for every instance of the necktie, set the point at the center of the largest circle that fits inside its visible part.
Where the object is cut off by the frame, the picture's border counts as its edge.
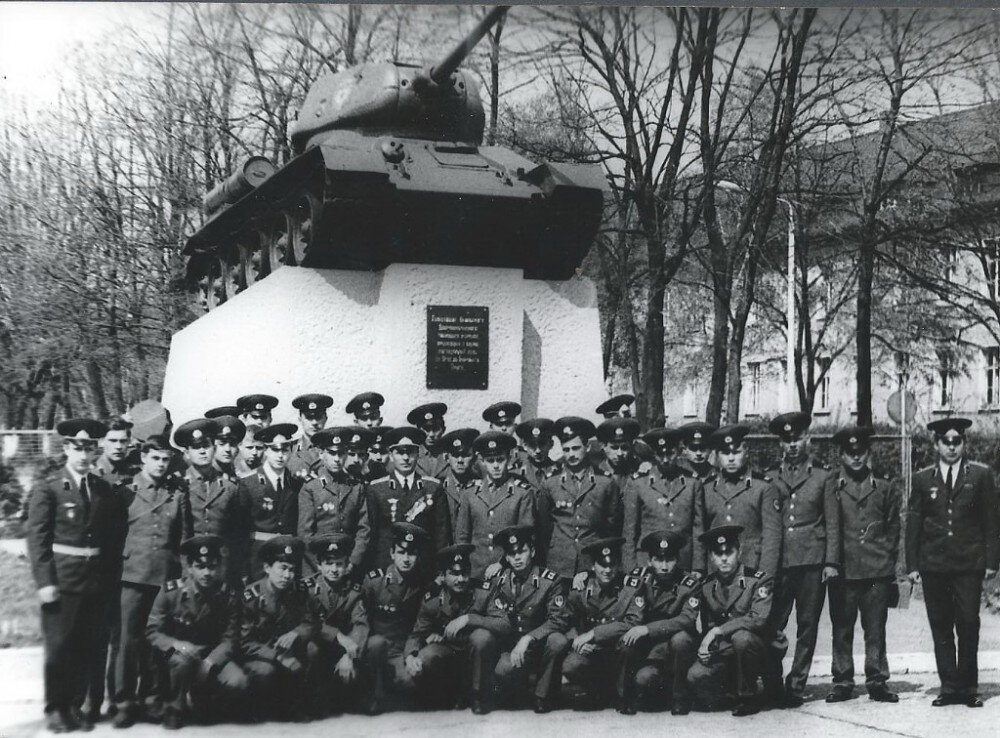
(949, 480)
(84, 492)
(278, 485)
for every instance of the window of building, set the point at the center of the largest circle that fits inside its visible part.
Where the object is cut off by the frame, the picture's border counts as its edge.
(950, 262)
(823, 388)
(991, 251)
(992, 356)
(943, 381)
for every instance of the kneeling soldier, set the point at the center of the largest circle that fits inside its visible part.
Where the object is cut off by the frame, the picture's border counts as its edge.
(441, 647)
(277, 626)
(735, 604)
(392, 598)
(663, 648)
(606, 606)
(341, 619)
(195, 624)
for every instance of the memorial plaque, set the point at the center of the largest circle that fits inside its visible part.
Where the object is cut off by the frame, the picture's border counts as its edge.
(458, 347)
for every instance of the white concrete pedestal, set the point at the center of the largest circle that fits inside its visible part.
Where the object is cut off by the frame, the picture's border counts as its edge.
(342, 332)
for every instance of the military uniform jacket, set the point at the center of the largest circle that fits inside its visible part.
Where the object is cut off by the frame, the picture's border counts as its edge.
(338, 609)
(745, 606)
(424, 505)
(870, 525)
(159, 518)
(657, 500)
(269, 613)
(957, 532)
(59, 514)
(534, 606)
(439, 608)
(392, 603)
(431, 462)
(810, 515)
(573, 513)
(115, 474)
(753, 502)
(534, 474)
(269, 511)
(210, 620)
(487, 511)
(671, 606)
(703, 474)
(305, 458)
(215, 505)
(456, 492)
(335, 503)
(610, 612)
(629, 466)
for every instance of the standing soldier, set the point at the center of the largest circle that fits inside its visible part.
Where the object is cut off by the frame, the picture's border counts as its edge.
(735, 607)
(356, 460)
(448, 641)
(461, 474)
(740, 496)
(312, 418)
(333, 502)
(663, 443)
(578, 506)
(616, 437)
(662, 649)
(271, 495)
(430, 419)
(159, 518)
(525, 614)
(695, 452)
(495, 502)
(952, 541)
(661, 498)
(536, 439)
(74, 531)
(256, 409)
(619, 406)
(367, 409)
(810, 552)
(378, 454)
(502, 416)
(277, 628)
(869, 510)
(392, 599)
(404, 496)
(608, 606)
(251, 452)
(114, 466)
(195, 626)
(341, 619)
(230, 433)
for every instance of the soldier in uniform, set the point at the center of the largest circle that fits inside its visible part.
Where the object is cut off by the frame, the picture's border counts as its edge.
(502, 416)
(870, 516)
(430, 419)
(312, 418)
(278, 626)
(739, 496)
(378, 455)
(608, 606)
(524, 612)
(406, 496)
(661, 498)
(577, 506)
(366, 409)
(536, 437)
(195, 626)
(256, 409)
(113, 465)
(448, 639)
(810, 552)
(271, 495)
(735, 605)
(356, 460)
(619, 406)
(229, 434)
(392, 599)
(212, 496)
(333, 502)
(251, 452)
(494, 502)
(663, 443)
(74, 532)
(952, 542)
(461, 474)
(616, 437)
(660, 651)
(159, 518)
(341, 618)
(695, 452)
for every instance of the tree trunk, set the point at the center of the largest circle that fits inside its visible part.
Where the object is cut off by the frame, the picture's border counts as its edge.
(864, 330)
(95, 384)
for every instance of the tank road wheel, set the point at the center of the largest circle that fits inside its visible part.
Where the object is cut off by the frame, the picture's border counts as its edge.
(246, 273)
(298, 227)
(274, 251)
(229, 276)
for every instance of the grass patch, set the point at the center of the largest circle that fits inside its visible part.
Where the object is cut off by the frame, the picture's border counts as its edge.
(19, 617)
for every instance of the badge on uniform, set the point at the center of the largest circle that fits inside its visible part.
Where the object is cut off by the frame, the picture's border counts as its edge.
(693, 602)
(763, 592)
(777, 505)
(640, 601)
(559, 600)
(268, 503)
(934, 493)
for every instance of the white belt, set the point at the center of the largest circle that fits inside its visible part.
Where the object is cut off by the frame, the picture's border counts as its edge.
(261, 536)
(83, 551)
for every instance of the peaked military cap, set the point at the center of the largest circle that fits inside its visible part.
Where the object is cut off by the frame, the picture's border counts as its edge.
(365, 405)
(661, 439)
(458, 441)
(431, 413)
(617, 405)
(721, 535)
(218, 412)
(312, 405)
(788, 426)
(494, 442)
(515, 536)
(378, 436)
(193, 432)
(203, 549)
(332, 546)
(535, 430)
(82, 429)
(854, 438)
(231, 428)
(282, 548)
(458, 553)
(614, 430)
(332, 439)
(359, 439)
(277, 433)
(942, 426)
(663, 543)
(695, 434)
(251, 403)
(404, 436)
(502, 412)
(408, 536)
(571, 426)
(728, 437)
(605, 551)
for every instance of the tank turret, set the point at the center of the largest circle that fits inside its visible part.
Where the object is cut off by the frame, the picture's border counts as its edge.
(388, 167)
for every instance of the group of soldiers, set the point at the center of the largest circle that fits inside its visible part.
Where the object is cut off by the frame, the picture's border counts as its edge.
(292, 571)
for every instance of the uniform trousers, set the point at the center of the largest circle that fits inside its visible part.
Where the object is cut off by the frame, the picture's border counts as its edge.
(101, 674)
(590, 672)
(190, 676)
(646, 668)
(543, 660)
(870, 598)
(740, 657)
(801, 586)
(385, 667)
(138, 675)
(71, 628)
(456, 663)
(276, 680)
(952, 600)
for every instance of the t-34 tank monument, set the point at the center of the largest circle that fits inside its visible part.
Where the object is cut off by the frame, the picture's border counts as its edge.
(395, 252)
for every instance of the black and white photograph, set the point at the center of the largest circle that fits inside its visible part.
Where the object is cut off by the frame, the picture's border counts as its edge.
(463, 370)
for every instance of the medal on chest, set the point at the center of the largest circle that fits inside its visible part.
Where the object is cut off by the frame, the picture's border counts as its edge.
(393, 503)
(418, 507)
(268, 503)
(329, 507)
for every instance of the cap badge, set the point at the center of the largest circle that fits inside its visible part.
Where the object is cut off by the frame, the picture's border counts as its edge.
(663, 441)
(288, 549)
(227, 430)
(664, 544)
(536, 432)
(852, 440)
(729, 439)
(428, 416)
(457, 559)
(492, 444)
(512, 539)
(501, 414)
(697, 435)
(605, 551)
(336, 439)
(366, 405)
(312, 405)
(259, 406)
(788, 427)
(82, 435)
(196, 434)
(619, 432)
(408, 537)
(720, 539)
(203, 550)
(457, 443)
(567, 431)
(355, 438)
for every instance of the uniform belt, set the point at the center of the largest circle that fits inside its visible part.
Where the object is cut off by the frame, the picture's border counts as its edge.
(82, 551)
(259, 535)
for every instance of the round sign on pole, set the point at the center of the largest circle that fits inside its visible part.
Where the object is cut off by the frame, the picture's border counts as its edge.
(895, 407)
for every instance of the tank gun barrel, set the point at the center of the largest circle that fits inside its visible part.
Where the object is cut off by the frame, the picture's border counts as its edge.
(441, 73)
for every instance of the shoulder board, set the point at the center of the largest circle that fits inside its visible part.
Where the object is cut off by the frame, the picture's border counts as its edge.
(825, 466)
(519, 482)
(640, 472)
(380, 480)
(356, 587)
(173, 584)
(885, 477)
(759, 574)
(760, 477)
(430, 479)
(926, 468)
(486, 585)
(248, 595)
(638, 571)
(602, 473)
(631, 581)
(308, 580)
(691, 580)
(376, 573)
(978, 464)
(549, 574)
(429, 595)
